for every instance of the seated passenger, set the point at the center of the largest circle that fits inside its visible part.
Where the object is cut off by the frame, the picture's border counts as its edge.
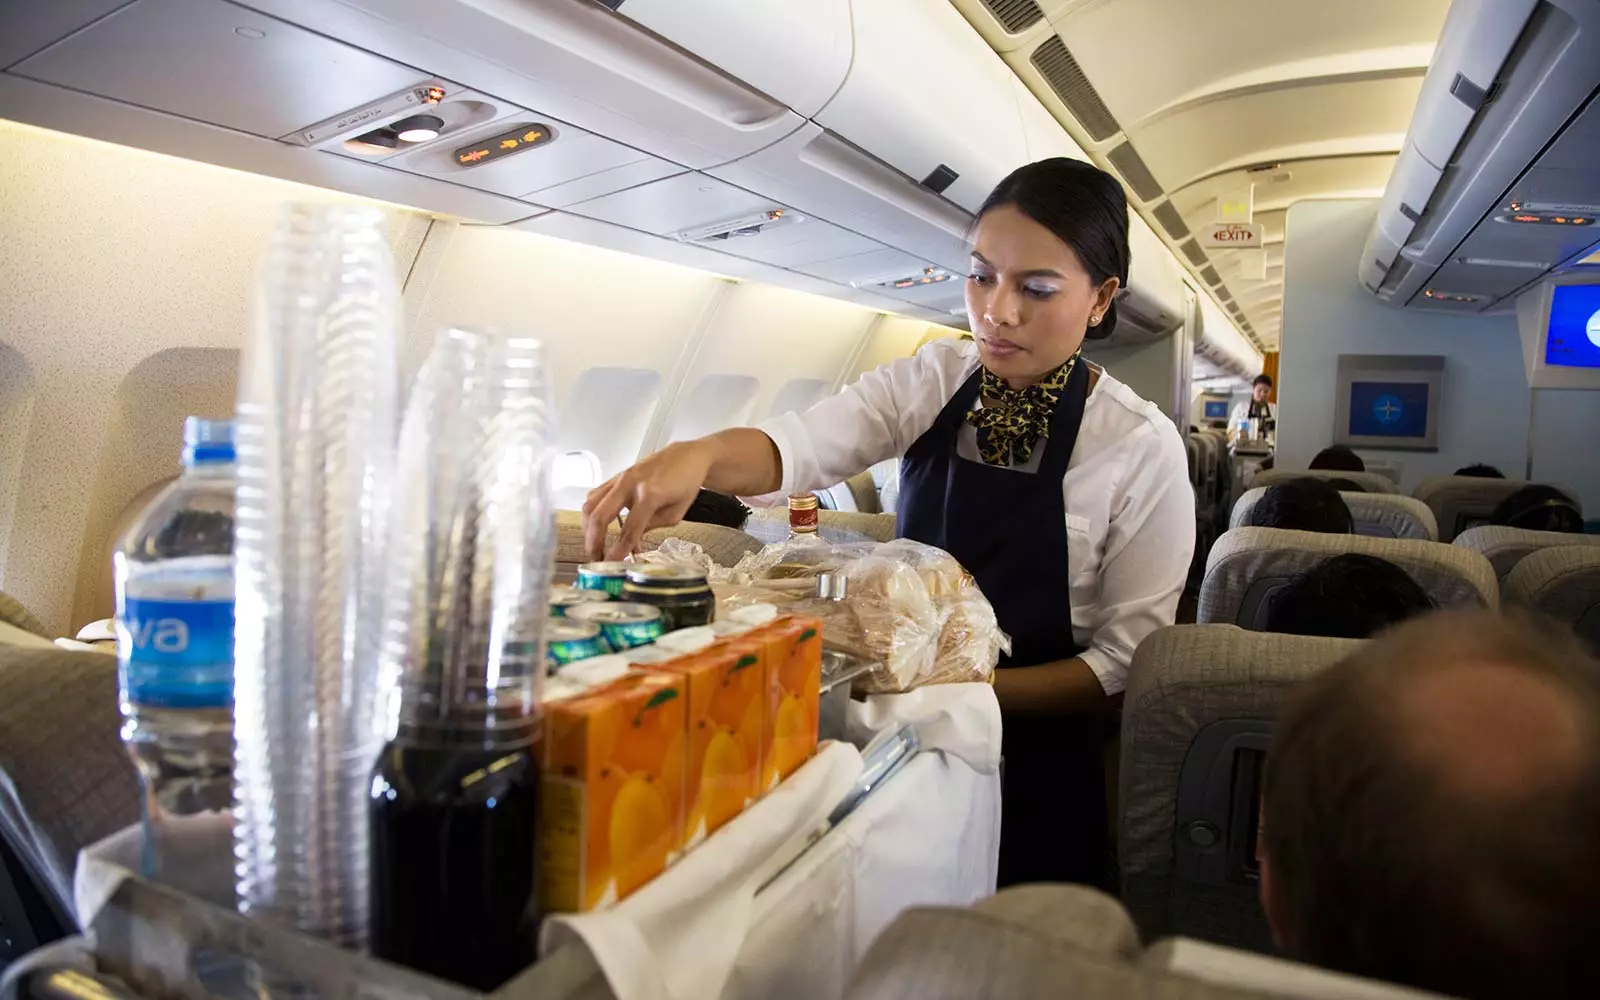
(1538, 508)
(1303, 505)
(1480, 471)
(718, 508)
(1338, 459)
(1346, 597)
(1430, 808)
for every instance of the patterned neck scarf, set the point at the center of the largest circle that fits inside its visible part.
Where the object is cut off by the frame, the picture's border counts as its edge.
(1012, 421)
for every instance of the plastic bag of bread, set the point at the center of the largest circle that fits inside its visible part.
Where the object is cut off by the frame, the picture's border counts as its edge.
(908, 607)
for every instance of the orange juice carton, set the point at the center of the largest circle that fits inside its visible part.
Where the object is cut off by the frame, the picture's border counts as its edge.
(727, 686)
(794, 653)
(612, 794)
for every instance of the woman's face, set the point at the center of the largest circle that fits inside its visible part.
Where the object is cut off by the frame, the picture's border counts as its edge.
(1029, 297)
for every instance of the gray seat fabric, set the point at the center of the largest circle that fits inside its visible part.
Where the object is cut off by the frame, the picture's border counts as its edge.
(1052, 942)
(1184, 679)
(1377, 515)
(1369, 481)
(724, 545)
(771, 524)
(1248, 564)
(12, 612)
(1563, 583)
(1506, 547)
(1463, 502)
(65, 779)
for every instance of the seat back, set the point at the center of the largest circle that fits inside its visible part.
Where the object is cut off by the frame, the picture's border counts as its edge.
(65, 780)
(1376, 515)
(725, 546)
(1563, 583)
(1369, 481)
(1463, 502)
(1506, 547)
(1196, 724)
(886, 476)
(769, 525)
(12, 612)
(1065, 941)
(1249, 565)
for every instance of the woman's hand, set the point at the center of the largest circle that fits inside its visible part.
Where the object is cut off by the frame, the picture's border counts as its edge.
(656, 493)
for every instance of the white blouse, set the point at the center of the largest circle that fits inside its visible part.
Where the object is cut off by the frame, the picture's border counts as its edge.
(1129, 506)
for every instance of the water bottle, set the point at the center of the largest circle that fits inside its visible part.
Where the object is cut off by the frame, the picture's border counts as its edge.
(174, 582)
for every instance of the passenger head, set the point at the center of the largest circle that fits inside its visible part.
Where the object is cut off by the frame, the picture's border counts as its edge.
(1303, 505)
(1345, 597)
(1338, 459)
(1261, 388)
(1538, 508)
(1430, 809)
(1049, 252)
(717, 508)
(1480, 471)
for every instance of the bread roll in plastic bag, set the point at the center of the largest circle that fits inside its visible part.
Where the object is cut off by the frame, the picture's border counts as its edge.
(909, 608)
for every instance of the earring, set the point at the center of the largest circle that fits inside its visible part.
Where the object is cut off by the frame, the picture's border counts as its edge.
(1094, 320)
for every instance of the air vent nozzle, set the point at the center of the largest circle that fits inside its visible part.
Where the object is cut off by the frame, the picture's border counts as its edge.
(1066, 78)
(1015, 16)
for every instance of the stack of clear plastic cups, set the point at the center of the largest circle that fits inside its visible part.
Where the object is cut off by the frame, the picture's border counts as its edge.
(471, 553)
(315, 441)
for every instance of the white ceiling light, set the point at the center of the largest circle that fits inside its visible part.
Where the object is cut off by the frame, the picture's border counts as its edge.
(418, 128)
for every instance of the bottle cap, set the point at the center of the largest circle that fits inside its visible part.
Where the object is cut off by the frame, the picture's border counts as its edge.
(207, 442)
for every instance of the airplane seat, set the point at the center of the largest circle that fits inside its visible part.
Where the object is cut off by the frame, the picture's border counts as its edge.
(864, 491)
(1563, 583)
(1376, 515)
(725, 546)
(14, 612)
(886, 475)
(1249, 565)
(1506, 547)
(1051, 941)
(1464, 502)
(1371, 482)
(65, 782)
(771, 524)
(1196, 724)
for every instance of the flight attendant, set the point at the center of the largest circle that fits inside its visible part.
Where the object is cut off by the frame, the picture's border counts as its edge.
(1063, 492)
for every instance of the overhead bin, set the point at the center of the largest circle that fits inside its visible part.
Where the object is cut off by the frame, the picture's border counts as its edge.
(1506, 78)
(1152, 304)
(928, 96)
(1220, 343)
(609, 73)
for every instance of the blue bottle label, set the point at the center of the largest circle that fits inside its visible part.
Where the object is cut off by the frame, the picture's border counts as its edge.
(177, 654)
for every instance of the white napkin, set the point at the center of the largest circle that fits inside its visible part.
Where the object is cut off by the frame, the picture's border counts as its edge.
(962, 720)
(199, 861)
(679, 936)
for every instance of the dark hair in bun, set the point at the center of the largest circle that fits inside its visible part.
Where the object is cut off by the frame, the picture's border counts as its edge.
(1085, 208)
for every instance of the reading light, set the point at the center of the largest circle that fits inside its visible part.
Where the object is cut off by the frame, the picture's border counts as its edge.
(418, 128)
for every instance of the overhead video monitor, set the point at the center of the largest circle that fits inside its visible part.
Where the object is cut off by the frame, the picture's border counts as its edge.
(1388, 401)
(1560, 325)
(1216, 409)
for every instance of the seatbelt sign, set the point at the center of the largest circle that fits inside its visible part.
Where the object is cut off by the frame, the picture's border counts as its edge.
(1232, 236)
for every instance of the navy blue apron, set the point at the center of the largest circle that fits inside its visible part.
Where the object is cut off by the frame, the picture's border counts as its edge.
(1009, 529)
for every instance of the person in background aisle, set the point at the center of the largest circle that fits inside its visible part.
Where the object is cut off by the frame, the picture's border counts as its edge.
(1338, 459)
(1063, 492)
(1539, 508)
(1480, 471)
(1303, 505)
(1257, 407)
(1430, 809)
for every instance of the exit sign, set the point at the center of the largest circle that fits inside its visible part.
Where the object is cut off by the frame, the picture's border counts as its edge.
(1231, 236)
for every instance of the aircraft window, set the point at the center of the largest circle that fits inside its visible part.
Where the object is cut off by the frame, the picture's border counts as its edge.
(716, 402)
(798, 395)
(603, 422)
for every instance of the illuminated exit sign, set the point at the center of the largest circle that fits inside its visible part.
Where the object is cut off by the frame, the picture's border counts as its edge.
(1231, 236)
(496, 147)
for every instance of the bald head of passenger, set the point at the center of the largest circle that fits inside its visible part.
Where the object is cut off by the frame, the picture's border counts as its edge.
(1431, 811)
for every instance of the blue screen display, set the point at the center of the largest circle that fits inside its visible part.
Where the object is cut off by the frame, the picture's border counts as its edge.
(1389, 409)
(1573, 340)
(1216, 409)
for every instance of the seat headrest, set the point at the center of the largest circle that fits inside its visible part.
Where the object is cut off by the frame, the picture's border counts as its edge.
(1054, 941)
(12, 612)
(1369, 481)
(1563, 583)
(1185, 678)
(1506, 547)
(1248, 564)
(1463, 502)
(1378, 515)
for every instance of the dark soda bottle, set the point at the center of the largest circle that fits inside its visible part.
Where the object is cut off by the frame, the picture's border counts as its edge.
(453, 826)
